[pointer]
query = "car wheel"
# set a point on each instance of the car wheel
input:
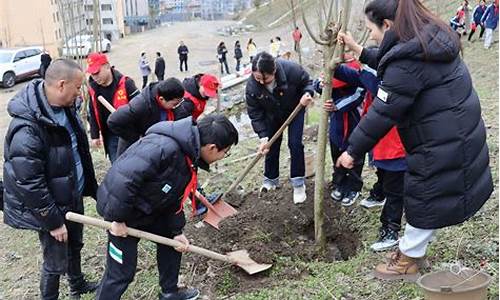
(108, 48)
(9, 79)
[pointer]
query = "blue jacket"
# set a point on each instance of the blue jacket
(347, 100)
(478, 13)
(490, 17)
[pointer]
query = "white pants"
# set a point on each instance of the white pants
(488, 38)
(415, 240)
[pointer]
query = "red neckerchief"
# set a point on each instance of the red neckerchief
(190, 187)
(170, 113)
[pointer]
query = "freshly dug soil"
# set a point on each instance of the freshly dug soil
(271, 227)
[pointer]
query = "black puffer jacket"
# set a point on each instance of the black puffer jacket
(149, 179)
(39, 177)
(265, 107)
(131, 121)
(438, 115)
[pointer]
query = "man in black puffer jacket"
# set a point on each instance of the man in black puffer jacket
(427, 92)
(273, 91)
(155, 103)
(146, 188)
(47, 171)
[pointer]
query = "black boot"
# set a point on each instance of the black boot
(181, 294)
(81, 286)
(49, 286)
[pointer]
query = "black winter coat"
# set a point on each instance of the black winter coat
(131, 121)
(270, 108)
(159, 66)
(148, 180)
(39, 176)
(438, 116)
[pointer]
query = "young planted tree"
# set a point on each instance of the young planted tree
(330, 22)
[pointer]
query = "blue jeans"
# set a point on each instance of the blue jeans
(272, 163)
(111, 146)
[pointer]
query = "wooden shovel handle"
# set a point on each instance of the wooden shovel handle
(106, 104)
(207, 203)
(74, 217)
(268, 145)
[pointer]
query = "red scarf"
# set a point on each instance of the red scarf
(170, 113)
(190, 187)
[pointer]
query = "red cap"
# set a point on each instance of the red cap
(352, 63)
(210, 85)
(94, 61)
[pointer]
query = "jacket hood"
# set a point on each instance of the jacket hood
(441, 46)
(26, 105)
(191, 85)
(184, 132)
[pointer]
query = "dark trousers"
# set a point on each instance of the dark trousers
(183, 60)
(377, 190)
(295, 132)
(238, 63)
(144, 81)
(121, 262)
(111, 146)
(222, 64)
(343, 178)
(160, 76)
(393, 185)
(480, 33)
(61, 258)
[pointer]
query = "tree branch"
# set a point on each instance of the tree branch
(311, 33)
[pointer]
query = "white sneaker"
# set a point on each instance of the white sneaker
(371, 202)
(267, 187)
(299, 194)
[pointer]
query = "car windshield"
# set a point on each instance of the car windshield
(5, 57)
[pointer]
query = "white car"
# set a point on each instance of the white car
(19, 63)
(81, 45)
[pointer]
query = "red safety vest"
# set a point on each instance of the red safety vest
(120, 98)
(199, 105)
(390, 146)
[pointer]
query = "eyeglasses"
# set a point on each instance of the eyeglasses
(227, 153)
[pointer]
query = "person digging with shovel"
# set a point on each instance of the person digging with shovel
(146, 189)
(273, 91)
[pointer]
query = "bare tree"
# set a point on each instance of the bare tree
(334, 22)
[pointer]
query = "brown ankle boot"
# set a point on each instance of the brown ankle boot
(422, 262)
(398, 267)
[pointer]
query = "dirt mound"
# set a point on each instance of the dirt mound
(270, 228)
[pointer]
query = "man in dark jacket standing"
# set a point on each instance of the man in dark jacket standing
(117, 89)
(159, 66)
(146, 189)
(273, 91)
(156, 103)
(45, 60)
(183, 56)
(47, 171)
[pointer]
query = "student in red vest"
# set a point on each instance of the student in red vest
(114, 87)
(155, 103)
(199, 89)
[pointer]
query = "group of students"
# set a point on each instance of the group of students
(483, 16)
(431, 156)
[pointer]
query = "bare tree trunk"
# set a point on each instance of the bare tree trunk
(332, 55)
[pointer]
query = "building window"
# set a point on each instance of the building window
(90, 21)
(89, 7)
(105, 7)
(57, 37)
(107, 21)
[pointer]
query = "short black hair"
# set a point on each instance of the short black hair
(62, 69)
(263, 62)
(217, 129)
(158, 53)
(170, 89)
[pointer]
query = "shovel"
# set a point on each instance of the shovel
(215, 212)
(106, 104)
(241, 258)
(250, 166)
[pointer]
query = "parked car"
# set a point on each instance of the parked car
(81, 45)
(18, 63)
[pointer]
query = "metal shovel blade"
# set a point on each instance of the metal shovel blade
(218, 212)
(242, 259)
